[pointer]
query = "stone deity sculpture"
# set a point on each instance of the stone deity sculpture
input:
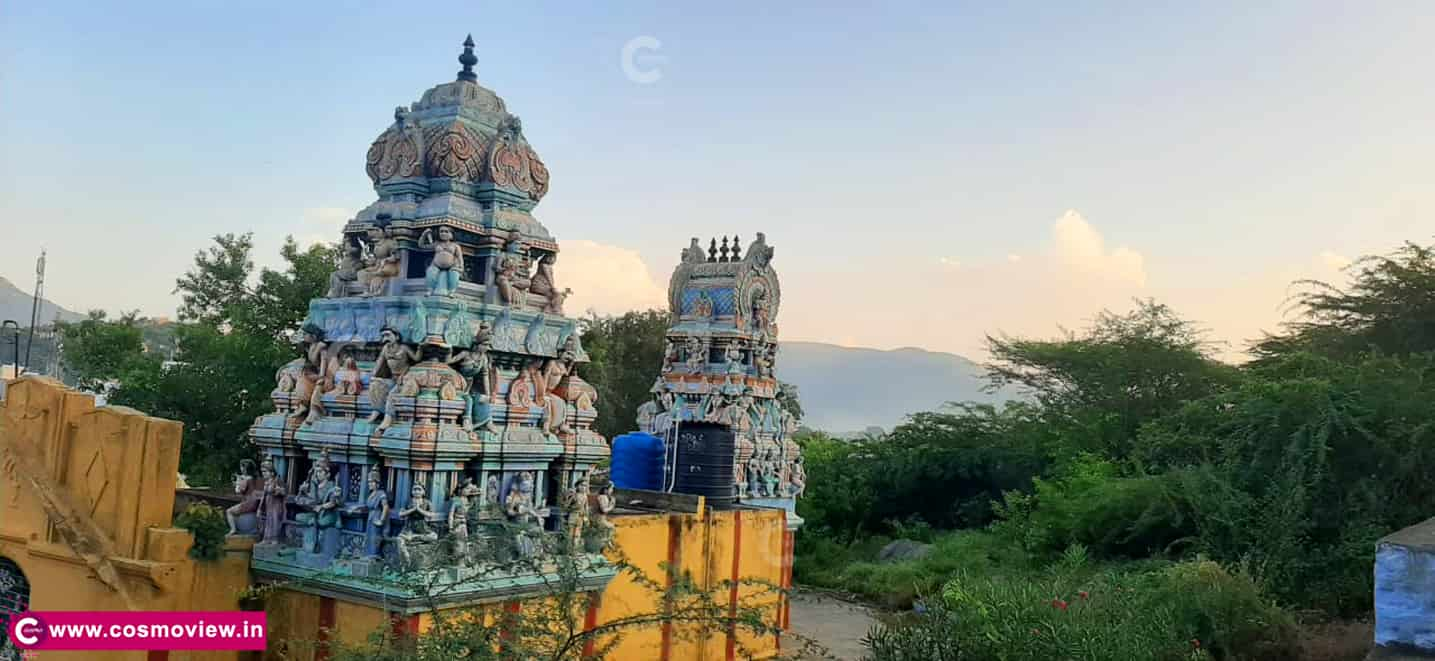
(377, 509)
(670, 356)
(798, 477)
(347, 378)
(383, 263)
(458, 526)
(395, 359)
(603, 505)
(754, 474)
(760, 309)
(734, 357)
(248, 486)
(348, 271)
(694, 254)
(473, 499)
(771, 474)
(510, 291)
(521, 512)
(271, 507)
(475, 366)
(575, 508)
(541, 283)
(322, 497)
(416, 530)
(762, 358)
(311, 384)
(545, 381)
(492, 500)
(697, 355)
(447, 267)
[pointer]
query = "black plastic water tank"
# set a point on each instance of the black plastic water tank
(704, 462)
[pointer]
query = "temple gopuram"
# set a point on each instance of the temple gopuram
(438, 372)
(719, 367)
(430, 457)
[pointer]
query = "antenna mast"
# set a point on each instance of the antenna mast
(35, 305)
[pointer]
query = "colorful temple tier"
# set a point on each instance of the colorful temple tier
(719, 367)
(439, 372)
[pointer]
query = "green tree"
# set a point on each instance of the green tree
(235, 332)
(1389, 307)
(627, 355)
(1099, 387)
(99, 350)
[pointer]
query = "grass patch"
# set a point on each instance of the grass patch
(854, 568)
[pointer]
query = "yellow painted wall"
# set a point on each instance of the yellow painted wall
(117, 468)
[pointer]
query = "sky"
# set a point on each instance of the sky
(928, 173)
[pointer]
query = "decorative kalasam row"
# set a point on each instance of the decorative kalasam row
(457, 151)
(718, 364)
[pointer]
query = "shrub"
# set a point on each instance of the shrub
(1130, 517)
(1192, 610)
(208, 526)
(854, 568)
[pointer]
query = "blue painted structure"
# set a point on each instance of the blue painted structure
(638, 461)
(1405, 589)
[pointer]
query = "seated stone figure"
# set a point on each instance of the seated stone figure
(243, 517)
(416, 536)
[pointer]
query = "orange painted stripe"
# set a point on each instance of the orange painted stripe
(512, 608)
(675, 541)
(404, 625)
(590, 622)
(326, 623)
(732, 592)
(791, 554)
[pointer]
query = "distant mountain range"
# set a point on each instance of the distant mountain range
(846, 390)
(15, 304)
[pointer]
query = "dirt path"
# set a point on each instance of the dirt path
(833, 623)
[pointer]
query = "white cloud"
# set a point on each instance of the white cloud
(1013, 258)
(1334, 260)
(606, 279)
(950, 263)
(322, 224)
(1080, 246)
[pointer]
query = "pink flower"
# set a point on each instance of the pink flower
(1058, 603)
(1084, 595)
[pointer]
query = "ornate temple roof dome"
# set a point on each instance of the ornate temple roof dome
(459, 138)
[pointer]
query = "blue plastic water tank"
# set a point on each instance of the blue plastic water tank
(637, 461)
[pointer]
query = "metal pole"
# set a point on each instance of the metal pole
(15, 340)
(35, 304)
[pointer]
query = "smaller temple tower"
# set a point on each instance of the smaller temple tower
(719, 366)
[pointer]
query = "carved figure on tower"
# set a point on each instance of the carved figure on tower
(446, 269)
